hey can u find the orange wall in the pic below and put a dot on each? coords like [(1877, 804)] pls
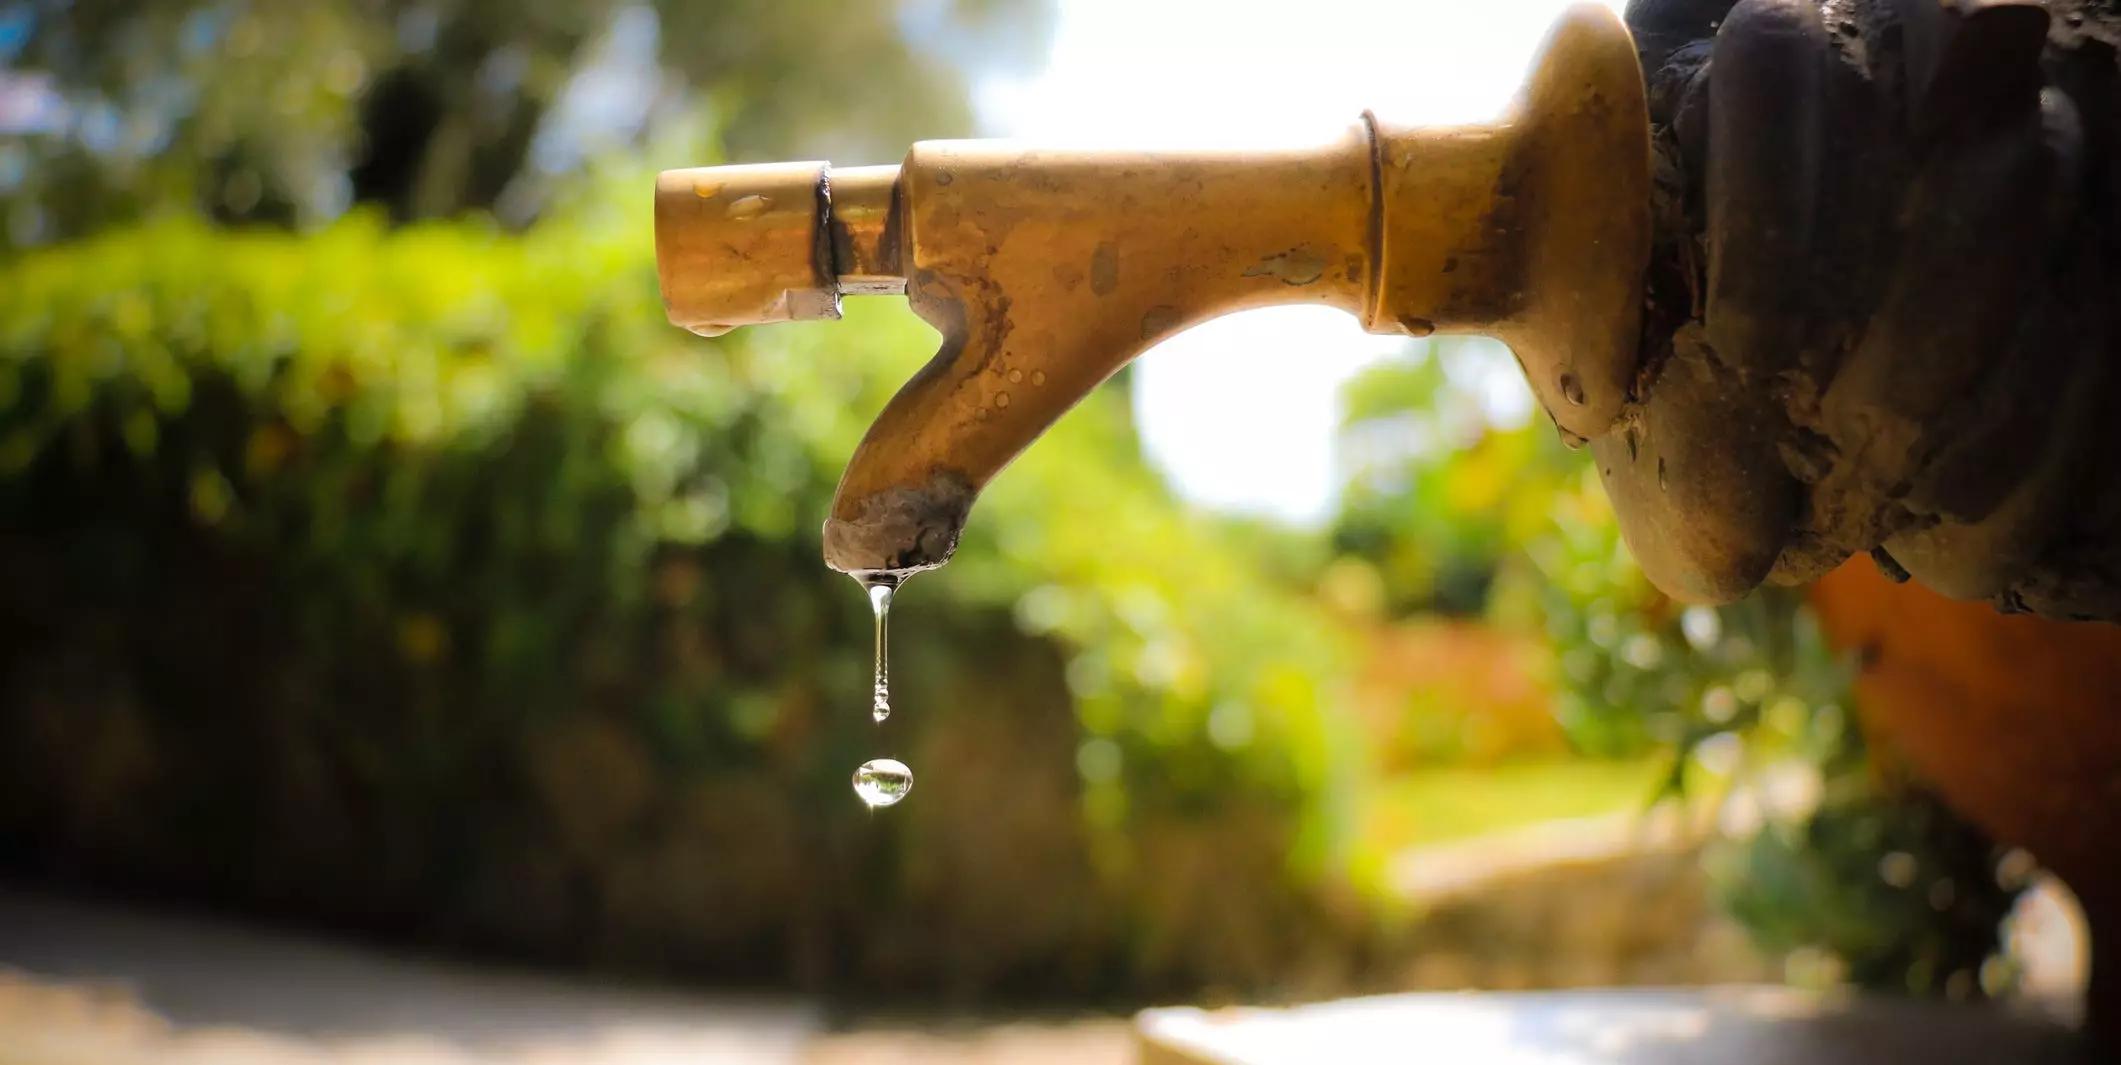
[(2016, 720)]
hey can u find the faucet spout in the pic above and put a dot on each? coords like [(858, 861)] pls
[(1046, 271)]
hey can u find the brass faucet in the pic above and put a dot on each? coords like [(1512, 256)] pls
[(1046, 271)]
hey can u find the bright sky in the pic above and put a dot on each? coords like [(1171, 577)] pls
[(1240, 412)]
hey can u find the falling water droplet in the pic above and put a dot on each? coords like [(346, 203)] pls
[(880, 591), (882, 781)]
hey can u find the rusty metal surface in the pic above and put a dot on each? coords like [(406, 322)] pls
[(744, 245), (862, 205)]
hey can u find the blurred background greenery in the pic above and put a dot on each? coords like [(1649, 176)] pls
[(377, 558)]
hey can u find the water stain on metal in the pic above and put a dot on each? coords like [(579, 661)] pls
[(1293, 267), (1104, 269), (1158, 321)]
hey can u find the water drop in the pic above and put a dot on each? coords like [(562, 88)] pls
[(1001, 399), (880, 591), (1015, 376), (882, 782), (1572, 389), (748, 207), (1038, 377)]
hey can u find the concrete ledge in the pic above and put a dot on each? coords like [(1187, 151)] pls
[(1715, 1026)]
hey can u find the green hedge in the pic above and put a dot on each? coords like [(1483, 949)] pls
[(425, 582)]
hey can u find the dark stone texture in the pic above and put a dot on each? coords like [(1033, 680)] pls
[(1884, 305)]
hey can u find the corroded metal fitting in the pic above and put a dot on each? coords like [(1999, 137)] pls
[(774, 242)]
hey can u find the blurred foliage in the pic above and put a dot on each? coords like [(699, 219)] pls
[(1459, 513), (262, 110), (419, 577), (427, 581), (1881, 886), (1450, 803), (1437, 499)]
